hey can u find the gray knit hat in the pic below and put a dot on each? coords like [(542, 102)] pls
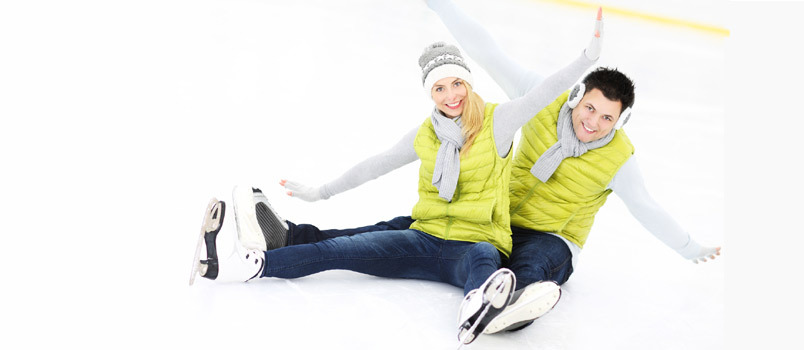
[(441, 60)]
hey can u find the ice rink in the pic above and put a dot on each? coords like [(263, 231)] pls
[(126, 117)]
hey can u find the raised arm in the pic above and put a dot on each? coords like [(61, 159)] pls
[(512, 77), (629, 185), (510, 116), (400, 154)]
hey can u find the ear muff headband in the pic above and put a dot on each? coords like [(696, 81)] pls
[(624, 116), (576, 95)]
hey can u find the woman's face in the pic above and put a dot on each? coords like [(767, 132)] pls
[(595, 116), (449, 95)]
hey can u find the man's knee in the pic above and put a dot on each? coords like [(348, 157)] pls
[(486, 251), (530, 271)]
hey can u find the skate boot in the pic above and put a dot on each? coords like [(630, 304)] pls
[(482, 305), (526, 305), (240, 264), (258, 225)]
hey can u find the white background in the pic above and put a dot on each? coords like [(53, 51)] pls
[(121, 120)]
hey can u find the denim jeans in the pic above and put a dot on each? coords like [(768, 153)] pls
[(305, 233), (391, 253), (539, 256), (536, 256)]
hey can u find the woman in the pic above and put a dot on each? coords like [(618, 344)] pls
[(462, 227)]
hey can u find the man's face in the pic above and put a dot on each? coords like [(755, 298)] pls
[(595, 116)]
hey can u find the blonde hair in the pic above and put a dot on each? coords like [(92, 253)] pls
[(471, 118)]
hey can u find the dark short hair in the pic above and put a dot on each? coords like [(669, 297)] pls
[(614, 85)]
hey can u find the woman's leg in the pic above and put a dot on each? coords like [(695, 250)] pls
[(260, 226), (307, 233), (397, 254), (394, 253), (468, 265)]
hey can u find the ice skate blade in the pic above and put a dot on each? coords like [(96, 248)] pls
[(209, 223), (496, 294)]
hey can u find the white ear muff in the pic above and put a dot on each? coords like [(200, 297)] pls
[(624, 116), (576, 94)]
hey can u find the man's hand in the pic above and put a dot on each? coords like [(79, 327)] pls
[(706, 253)]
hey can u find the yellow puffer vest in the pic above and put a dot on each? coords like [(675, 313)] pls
[(567, 203), (479, 209)]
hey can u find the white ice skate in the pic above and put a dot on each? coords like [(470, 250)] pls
[(258, 225), (526, 305), (482, 305), (238, 264)]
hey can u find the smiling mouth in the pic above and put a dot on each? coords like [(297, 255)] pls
[(454, 105), (587, 129)]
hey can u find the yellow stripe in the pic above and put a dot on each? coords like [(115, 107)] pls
[(647, 16)]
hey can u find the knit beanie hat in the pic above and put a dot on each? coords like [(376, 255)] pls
[(441, 60)]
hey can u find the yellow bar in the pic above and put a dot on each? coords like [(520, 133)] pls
[(647, 16)]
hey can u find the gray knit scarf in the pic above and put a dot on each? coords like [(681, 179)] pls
[(448, 159), (568, 145)]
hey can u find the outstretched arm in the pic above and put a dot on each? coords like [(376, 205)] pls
[(629, 185), (512, 77), (400, 154), (510, 116)]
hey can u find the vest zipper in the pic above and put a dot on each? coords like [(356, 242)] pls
[(525, 199), (446, 230), (449, 218)]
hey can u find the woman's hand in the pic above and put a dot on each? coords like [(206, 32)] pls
[(303, 192)]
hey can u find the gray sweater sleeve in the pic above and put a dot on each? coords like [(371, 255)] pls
[(397, 156), (510, 116), (629, 185)]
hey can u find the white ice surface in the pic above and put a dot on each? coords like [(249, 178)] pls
[(128, 116)]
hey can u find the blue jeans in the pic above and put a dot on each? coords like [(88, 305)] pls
[(305, 233), (390, 253), (536, 256), (539, 256)]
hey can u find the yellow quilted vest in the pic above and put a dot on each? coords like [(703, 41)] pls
[(567, 203), (479, 209)]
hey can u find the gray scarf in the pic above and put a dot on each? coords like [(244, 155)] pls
[(568, 145), (448, 160)]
